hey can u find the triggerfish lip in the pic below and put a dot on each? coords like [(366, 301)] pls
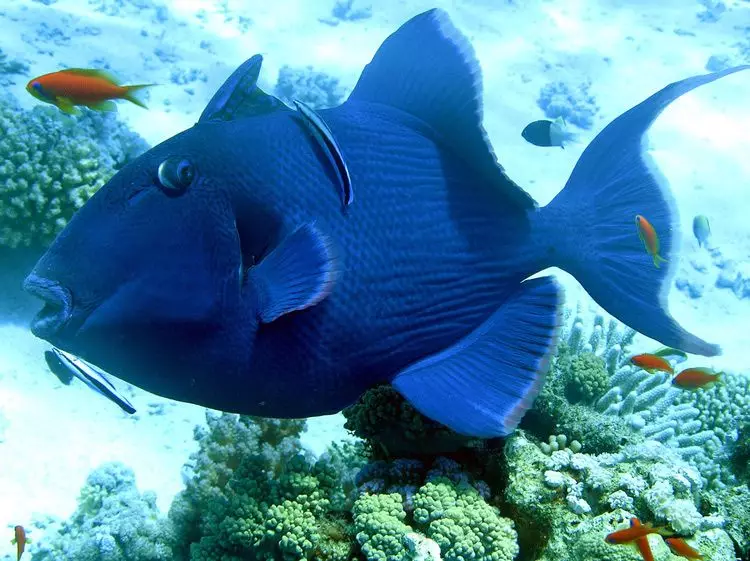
[(58, 305)]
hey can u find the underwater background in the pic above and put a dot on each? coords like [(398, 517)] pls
[(605, 440)]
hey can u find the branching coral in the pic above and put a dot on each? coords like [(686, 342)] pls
[(51, 164), (580, 372), (113, 522), (576, 499), (253, 492)]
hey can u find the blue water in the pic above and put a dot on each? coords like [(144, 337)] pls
[(604, 442)]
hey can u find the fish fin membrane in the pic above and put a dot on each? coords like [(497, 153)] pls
[(614, 180), (428, 69), (239, 96), (94, 73), (132, 94), (104, 106), (298, 273), (482, 385)]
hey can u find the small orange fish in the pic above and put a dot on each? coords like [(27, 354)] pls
[(650, 239), (634, 532), (681, 548), (90, 88), (20, 540), (642, 543), (652, 363), (694, 378)]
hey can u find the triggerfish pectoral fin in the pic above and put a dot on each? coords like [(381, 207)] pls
[(297, 274), (483, 384)]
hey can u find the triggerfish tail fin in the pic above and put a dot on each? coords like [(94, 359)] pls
[(615, 180), (483, 384), (132, 91)]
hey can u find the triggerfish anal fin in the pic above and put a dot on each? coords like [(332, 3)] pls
[(482, 385), (240, 96), (428, 69), (606, 256), (322, 134), (296, 274)]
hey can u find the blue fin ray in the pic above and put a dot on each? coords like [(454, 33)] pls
[(297, 274), (482, 385)]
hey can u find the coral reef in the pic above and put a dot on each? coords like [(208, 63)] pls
[(51, 164), (575, 499), (113, 522), (574, 104), (445, 504), (317, 89), (580, 372), (344, 10), (253, 492), (9, 69), (389, 423)]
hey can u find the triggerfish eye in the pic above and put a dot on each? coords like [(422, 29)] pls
[(176, 175)]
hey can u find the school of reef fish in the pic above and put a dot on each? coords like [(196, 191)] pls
[(588, 449)]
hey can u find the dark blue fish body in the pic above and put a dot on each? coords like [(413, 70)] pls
[(219, 268)]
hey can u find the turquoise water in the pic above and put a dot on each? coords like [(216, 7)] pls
[(604, 441)]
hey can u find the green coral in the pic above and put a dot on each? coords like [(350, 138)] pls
[(113, 522), (394, 428), (253, 492), (732, 503), (443, 503), (579, 374), (461, 522), (51, 164), (381, 530)]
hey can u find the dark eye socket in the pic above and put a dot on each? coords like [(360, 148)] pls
[(175, 175)]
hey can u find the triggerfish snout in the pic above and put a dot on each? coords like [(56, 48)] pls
[(85, 87)]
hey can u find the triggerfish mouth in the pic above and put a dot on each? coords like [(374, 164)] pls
[(89, 374), (278, 261)]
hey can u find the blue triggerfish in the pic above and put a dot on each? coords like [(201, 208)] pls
[(701, 229), (548, 133), (225, 266)]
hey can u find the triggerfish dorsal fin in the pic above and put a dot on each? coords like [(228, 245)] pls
[(428, 69), (240, 96), (94, 73)]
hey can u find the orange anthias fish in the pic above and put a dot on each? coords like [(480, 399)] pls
[(650, 239), (694, 378), (634, 532), (90, 88), (20, 540), (642, 543), (652, 363), (681, 548)]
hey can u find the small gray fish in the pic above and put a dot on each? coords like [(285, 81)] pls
[(701, 229), (548, 133)]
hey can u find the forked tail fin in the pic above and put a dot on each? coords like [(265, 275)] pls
[(614, 180)]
